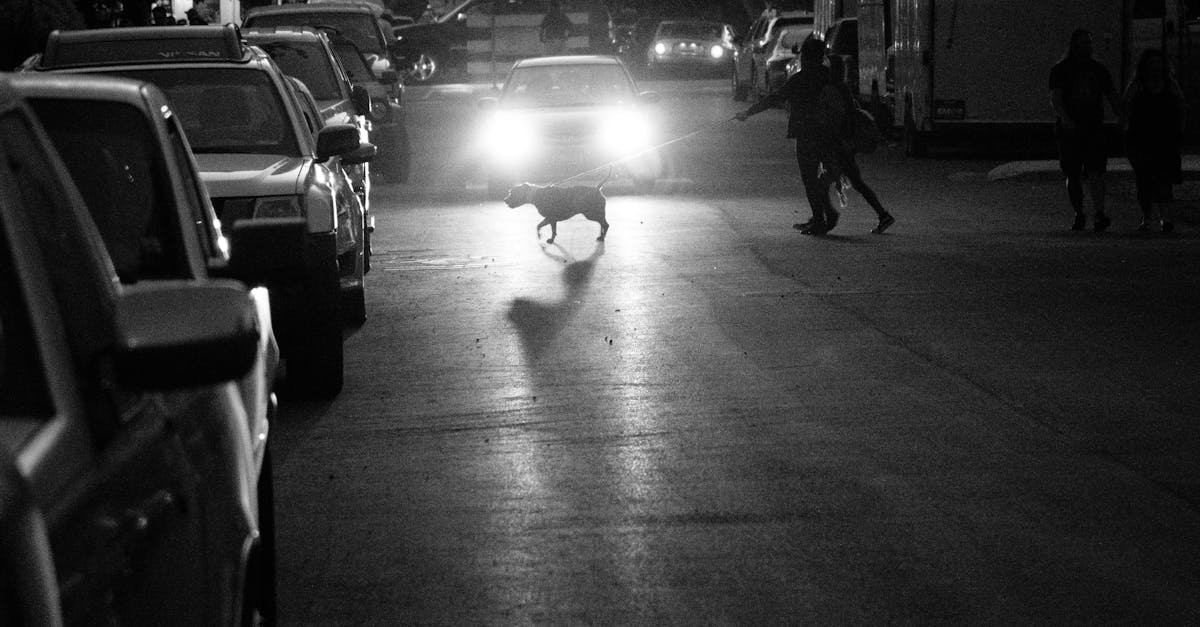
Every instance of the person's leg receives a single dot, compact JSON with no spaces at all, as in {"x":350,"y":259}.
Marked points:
{"x":854,"y":174}
{"x":1144,"y":185}
{"x":1095,"y":163}
{"x":816,"y":189}
{"x":1163,"y":195}
{"x":1070,"y":163}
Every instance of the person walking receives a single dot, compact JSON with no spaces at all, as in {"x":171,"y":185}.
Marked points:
{"x":1079,"y":85}
{"x":555,"y":30}
{"x":1152,"y":118}
{"x":816,"y":114}
{"x":847,"y":161}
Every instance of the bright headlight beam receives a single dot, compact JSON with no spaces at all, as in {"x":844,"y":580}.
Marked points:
{"x":716,"y":52}
{"x":660,"y":48}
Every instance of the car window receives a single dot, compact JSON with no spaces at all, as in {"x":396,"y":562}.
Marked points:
{"x":110,"y":153}
{"x":568,"y":85}
{"x":307,"y":62}
{"x":353,"y":63}
{"x":690,"y":30}
{"x":226,"y":110}
{"x":360,"y":28}
{"x":193,"y":189}
{"x":23,"y":389}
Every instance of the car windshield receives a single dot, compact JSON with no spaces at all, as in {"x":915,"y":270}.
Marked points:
{"x":308,"y":62}
{"x":568,"y":86}
{"x":226,"y":110}
{"x":690,"y":30}
{"x":110,"y":155}
{"x":357,"y":27}
{"x":790,"y":37}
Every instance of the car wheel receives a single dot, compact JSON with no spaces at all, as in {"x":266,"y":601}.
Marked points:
{"x":424,"y":67}
{"x":260,"y":599}
{"x":740,"y":90}
{"x":314,"y":365}
{"x":366,"y":249}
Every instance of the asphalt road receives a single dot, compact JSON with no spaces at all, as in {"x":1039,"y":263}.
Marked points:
{"x":978,"y":417}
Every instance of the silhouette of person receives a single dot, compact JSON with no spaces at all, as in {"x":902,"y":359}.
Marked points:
{"x":1079,"y":85}
{"x":555,"y":30}
{"x":816,"y":115}
{"x":847,"y":163}
{"x":1152,"y":117}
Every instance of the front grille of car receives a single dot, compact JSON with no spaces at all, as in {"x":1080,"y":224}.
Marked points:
{"x":230,"y":210}
{"x":687,"y":47}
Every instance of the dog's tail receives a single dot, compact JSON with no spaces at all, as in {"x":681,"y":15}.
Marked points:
{"x":601,"y":183}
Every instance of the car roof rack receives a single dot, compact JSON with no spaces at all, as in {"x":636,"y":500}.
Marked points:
{"x":144,"y":44}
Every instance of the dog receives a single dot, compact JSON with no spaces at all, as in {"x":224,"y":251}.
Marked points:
{"x":556,"y":203}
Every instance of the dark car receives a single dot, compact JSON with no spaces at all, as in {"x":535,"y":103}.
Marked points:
{"x":479,"y":40}
{"x":692,"y":44}
{"x":749,"y":70}
{"x":127,"y":490}
{"x":259,"y":160}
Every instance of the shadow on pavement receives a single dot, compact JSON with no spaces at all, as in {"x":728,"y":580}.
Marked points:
{"x":539,"y":322}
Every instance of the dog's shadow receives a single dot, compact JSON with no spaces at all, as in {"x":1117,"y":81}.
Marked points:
{"x":539,"y":322}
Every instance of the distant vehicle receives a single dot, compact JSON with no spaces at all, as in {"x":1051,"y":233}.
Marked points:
{"x":479,"y":40}
{"x":692,"y":44}
{"x":782,"y":61}
{"x":258,"y":160}
{"x":131,"y":481}
{"x":561,"y":116}
{"x":749,"y":70}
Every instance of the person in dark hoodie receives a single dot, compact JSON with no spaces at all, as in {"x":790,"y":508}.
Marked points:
{"x":816,"y":114}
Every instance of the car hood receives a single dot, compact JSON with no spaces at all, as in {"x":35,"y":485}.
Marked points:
{"x":238,"y":175}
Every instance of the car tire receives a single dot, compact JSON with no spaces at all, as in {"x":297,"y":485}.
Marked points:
{"x":366,"y":249}
{"x":740,"y":90}
{"x":314,"y":365}
{"x":354,"y":306}
{"x":424,"y":68}
{"x":260,"y":600}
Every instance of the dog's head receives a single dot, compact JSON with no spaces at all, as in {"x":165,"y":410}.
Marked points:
{"x":520,"y":195}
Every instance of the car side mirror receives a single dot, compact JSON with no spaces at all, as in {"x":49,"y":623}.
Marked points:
{"x":267,"y":251}
{"x":365,"y":152}
{"x":336,"y":139}
{"x":212,"y":334}
{"x":361,"y":99}
{"x":649,"y":97}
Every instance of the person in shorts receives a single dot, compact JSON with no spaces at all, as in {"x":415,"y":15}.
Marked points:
{"x":1079,"y":85}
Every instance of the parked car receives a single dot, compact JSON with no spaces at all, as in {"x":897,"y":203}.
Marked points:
{"x":751,"y":51}
{"x":368,"y":27}
{"x":842,"y":40}
{"x":128,"y":490}
{"x":784,"y":49}
{"x":307,"y":55}
{"x":258,"y":160}
{"x":692,"y":44}
{"x":561,"y":116}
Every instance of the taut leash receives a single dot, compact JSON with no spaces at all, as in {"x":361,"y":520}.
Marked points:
{"x":644,"y":151}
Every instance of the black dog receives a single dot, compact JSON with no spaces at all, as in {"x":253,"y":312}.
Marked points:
{"x":559,"y":203}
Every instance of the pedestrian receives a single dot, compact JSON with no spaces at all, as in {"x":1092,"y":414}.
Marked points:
{"x":816,"y":114}
{"x":847,"y":161}
{"x":555,"y":30}
{"x":1079,"y":85}
{"x":194,"y":18}
{"x":1152,"y":118}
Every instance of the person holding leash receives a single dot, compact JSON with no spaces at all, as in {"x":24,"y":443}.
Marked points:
{"x":847,"y":162}
{"x":816,"y":115}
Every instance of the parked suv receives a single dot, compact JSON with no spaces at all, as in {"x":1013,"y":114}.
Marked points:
{"x":258,"y":160}
{"x":126,"y":479}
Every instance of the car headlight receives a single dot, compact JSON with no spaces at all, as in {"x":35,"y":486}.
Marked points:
{"x":716,"y":52}
{"x":625,"y":132}
{"x":660,"y":48}
{"x":508,"y":137}
{"x":277,"y":207}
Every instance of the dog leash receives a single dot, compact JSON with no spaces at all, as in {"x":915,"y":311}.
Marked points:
{"x":644,"y":151}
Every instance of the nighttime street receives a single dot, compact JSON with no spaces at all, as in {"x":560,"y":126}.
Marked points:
{"x":979,"y":416}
